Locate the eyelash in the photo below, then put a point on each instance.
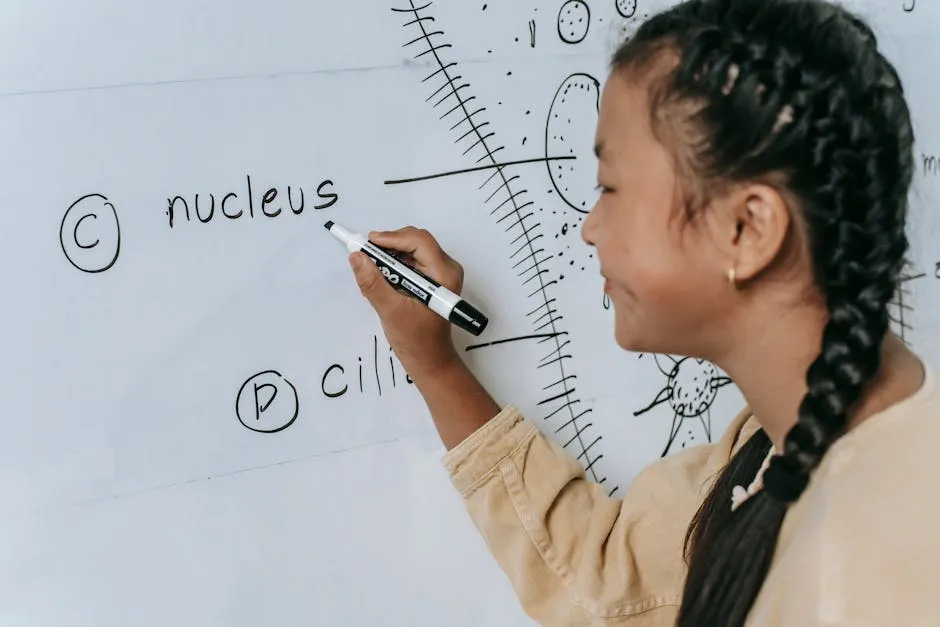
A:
(600, 188)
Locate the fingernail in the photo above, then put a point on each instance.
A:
(355, 261)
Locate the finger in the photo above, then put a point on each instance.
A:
(418, 244)
(372, 284)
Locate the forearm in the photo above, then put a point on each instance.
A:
(458, 402)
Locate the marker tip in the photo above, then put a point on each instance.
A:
(328, 225)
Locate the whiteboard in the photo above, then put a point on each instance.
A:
(204, 424)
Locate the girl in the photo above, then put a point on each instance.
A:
(754, 157)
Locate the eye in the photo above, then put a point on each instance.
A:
(602, 189)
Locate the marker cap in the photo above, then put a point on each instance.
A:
(468, 317)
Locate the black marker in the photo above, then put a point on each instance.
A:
(402, 276)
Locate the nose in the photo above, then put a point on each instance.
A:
(589, 227)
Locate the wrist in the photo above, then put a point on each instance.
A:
(433, 365)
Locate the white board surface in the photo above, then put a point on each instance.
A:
(143, 481)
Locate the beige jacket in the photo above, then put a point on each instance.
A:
(861, 547)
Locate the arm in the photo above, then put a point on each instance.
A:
(574, 555)
(458, 403)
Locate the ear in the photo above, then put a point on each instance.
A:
(754, 226)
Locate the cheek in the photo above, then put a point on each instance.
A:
(644, 262)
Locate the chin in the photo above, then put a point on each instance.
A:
(632, 339)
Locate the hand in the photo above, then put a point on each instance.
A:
(420, 338)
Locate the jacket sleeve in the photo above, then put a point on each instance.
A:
(574, 555)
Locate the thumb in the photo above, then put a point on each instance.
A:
(371, 282)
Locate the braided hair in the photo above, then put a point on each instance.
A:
(796, 90)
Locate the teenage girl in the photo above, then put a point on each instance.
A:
(755, 158)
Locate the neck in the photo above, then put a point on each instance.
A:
(770, 369)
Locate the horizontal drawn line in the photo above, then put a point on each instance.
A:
(443, 68)
(556, 351)
(547, 303)
(520, 338)
(557, 396)
(496, 172)
(502, 186)
(518, 222)
(564, 406)
(489, 154)
(591, 465)
(482, 139)
(560, 381)
(578, 433)
(418, 21)
(432, 49)
(468, 133)
(573, 420)
(558, 359)
(525, 258)
(543, 288)
(231, 473)
(588, 447)
(167, 82)
(411, 9)
(467, 118)
(549, 312)
(529, 243)
(450, 94)
(534, 266)
(537, 262)
(422, 36)
(535, 276)
(475, 169)
(551, 322)
(515, 209)
(441, 88)
(460, 102)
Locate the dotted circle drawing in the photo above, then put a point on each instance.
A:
(90, 234)
(693, 387)
(569, 131)
(574, 20)
(626, 8)
(267, 403)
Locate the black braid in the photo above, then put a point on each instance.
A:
(794, 88)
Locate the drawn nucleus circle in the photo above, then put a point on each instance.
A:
(267, 403)
(626, 8)
(90, 234)
(569, 132)
(574, 20)
(691, 389)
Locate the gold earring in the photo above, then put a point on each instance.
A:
(731, 275)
